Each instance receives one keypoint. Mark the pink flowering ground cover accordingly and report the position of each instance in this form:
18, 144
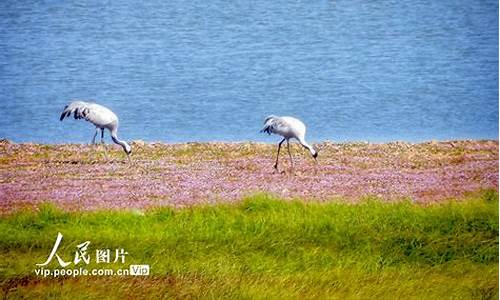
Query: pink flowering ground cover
82, 177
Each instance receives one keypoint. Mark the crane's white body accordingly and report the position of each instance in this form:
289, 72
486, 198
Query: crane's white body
288, 128
100, 116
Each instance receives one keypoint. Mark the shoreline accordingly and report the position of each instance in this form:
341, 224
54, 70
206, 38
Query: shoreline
274, 142
80, 177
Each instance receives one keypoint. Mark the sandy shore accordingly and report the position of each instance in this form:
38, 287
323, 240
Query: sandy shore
80, 177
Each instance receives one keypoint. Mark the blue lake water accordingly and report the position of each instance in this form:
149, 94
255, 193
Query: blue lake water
179, 71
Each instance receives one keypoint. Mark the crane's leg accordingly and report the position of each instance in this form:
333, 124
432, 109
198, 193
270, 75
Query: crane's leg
102, 135
289, 154
105, 152
278, 155
104, 144
95, 135
95, 146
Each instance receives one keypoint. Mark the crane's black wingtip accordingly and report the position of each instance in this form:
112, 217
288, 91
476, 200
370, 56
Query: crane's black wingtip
64, 113
266, 130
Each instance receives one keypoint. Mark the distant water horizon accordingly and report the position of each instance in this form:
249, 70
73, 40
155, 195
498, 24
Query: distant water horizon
179, 72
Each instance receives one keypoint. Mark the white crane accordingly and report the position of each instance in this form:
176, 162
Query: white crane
288, 128
102, 117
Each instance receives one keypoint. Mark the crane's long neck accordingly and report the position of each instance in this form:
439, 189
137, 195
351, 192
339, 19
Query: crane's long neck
308, 147
125, 145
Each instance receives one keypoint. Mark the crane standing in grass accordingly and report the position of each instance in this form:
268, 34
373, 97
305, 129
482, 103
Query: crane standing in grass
102, 117
288, 128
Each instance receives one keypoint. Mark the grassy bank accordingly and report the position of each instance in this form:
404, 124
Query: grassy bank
266, 248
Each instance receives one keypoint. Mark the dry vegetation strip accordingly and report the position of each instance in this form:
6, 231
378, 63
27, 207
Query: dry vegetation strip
79, 177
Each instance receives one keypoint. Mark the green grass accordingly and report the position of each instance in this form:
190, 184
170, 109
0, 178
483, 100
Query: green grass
265, 248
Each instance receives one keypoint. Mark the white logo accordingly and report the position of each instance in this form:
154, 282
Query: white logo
102, 255
141, 270
83, 256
